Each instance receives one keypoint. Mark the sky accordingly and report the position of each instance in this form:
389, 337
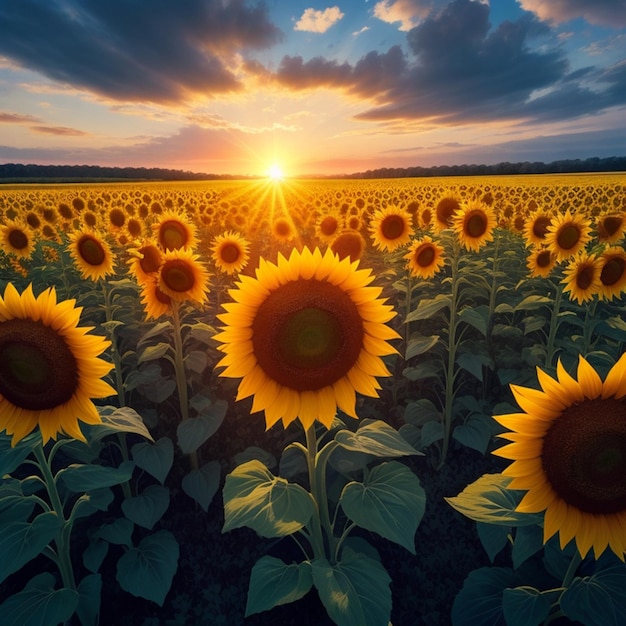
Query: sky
314, 88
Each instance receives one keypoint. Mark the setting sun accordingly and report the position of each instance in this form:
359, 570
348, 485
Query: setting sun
275, 172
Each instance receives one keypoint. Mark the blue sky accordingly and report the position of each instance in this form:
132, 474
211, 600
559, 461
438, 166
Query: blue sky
230, 86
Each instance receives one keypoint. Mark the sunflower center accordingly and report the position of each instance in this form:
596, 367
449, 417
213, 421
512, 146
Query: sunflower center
446, 209
348, 245
584, 277
173, 235
392, 226
540, 227
91, 250
609, 226
307, 334
230, 253
177, 275
584, 455
544, 258
475, 224
329, 226
38, 370
18, 239
612, 271
151, 260
282, 228
568, 236
425, 255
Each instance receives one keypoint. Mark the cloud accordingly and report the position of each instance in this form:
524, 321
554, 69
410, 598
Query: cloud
38, 126
314, 21
407, 12
609, 13
63, 131
124, 51
17, 118
459, 69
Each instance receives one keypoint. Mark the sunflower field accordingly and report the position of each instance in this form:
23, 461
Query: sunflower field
351, 402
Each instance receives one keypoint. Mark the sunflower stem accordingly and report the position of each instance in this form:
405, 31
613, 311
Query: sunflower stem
62, 540
181, 379
317, 492
554, 325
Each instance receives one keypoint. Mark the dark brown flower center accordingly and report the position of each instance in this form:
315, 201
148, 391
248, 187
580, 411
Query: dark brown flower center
173, 235
475, 224
38, 370
307, 334
544, 258
151, 260
609, 226
425, 255
568, 236
329, 226
540, 226
584, 455
393, 226
91, 250
446, 209
348, 244
230, 253
18, 239
584, 277
612, 270
178, 275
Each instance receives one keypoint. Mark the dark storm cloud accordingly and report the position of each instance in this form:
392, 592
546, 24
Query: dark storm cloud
460, 69
129, 50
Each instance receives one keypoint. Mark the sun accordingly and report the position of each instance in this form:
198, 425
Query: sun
275, 172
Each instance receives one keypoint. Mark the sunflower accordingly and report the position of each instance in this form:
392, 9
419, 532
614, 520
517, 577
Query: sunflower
282, 230
540, 262
182, 276
391, 228
304, 336
536, 228
612, 273
582, 277
155, 302
611, 227
444, 212
230, 252
173, 231
569, 452
145, 261
17, 238
473, 225
567, 234
425, 258
348, 243
327, 227
49, 370
91, 253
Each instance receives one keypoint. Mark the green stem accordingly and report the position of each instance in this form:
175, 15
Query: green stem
181, 378
62, 540
317, 539
554, 325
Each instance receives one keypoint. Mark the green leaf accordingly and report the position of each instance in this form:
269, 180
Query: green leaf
193, 432
118, 420
599, 599
524, 606
531, 303
428, 307
22, 541
151, 353
79, 478
270, 505
353, 591
528, 541
94, 554
89, 592
493, 538
474, 363
148, 507
155, 330
421, 411
202, 484
377, 438
12, 457
429, 369
431, 432
156, 458
39, 604
273, 583
147, 570
488, 500
196, 361
89, 503
419, 344
475, 433
118, 532
479, 603
477, 317
389, 502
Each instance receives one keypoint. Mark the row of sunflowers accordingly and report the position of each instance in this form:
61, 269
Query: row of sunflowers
436, 300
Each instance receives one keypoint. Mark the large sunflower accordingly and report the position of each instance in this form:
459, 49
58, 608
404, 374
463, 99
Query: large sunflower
91, 253
17, 238
582, 277
183, 277
540, 262
49, 366
473, 225
569, 452
391, 228
425, 257
155, 302
173, 231
567, 234
145, 261
536, 228
304, 336
445, 211
612, 273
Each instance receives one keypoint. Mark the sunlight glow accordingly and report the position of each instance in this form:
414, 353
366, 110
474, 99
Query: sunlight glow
275, 172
